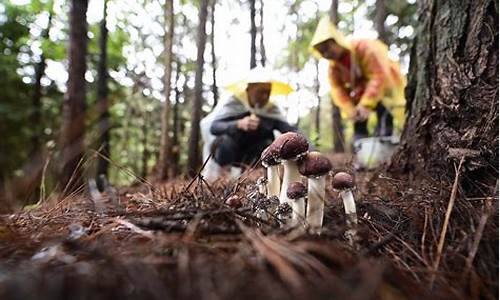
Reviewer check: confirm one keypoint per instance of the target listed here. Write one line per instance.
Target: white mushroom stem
(298, 210)
(315, 203)
(349, 207)
(273, 181)
(290, 174)
(262, 188)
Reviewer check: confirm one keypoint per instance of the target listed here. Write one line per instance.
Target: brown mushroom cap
(314, 164)
(296, 190)
(342, 181)
(290, 145)
(270, 156)
(234, 201)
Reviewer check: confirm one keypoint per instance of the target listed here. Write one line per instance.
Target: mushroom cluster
(300, 204)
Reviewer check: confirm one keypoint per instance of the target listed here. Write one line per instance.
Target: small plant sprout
(290, 147)
(315, 166)
(261, 185)
(344, 183)
(296, 192)
(271, 163)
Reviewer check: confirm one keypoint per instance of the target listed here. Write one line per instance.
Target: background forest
(129, 59)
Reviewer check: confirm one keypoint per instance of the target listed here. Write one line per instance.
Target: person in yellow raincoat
(240, 128)
(362, 78)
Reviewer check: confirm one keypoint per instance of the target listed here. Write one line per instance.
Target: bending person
(362, 78)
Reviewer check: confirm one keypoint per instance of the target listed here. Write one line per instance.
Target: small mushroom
(344, 183)
(234, 201)
(261, 184)
(284, 212)
(290, 147)
(269, 158)
(315, 166)
(296, 192)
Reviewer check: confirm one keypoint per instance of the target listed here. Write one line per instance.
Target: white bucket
(373, 151)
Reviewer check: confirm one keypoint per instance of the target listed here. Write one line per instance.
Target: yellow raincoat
(256, 75)
(371, 78)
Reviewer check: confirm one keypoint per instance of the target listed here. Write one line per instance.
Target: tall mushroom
(344, 183)
(315, 166)
(269, 159)
(290, 147)
(296, 192)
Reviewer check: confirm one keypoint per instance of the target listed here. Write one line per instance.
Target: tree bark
(74, 106)
(215, 90)
(194, 137)
(253, 35)
(380, 16)
(337, 127)
(452, 95)
(103, 104)
(165, 143)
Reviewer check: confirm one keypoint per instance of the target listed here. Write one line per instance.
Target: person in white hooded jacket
(239, 129)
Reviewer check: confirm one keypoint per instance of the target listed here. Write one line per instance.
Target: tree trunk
(317, 114)
(103, 104)
(194, 137)
(144, 142)
(334, 11)
(165, 163)
(261, 29)
(337, 128)
(452, 95)
(36, 115)
(73, 122)
(215, 90)
(176, 125)
(380, 16)
(253, 35)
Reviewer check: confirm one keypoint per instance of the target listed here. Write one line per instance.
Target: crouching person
(244, 126)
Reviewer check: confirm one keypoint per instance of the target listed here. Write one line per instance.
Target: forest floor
(178, 240)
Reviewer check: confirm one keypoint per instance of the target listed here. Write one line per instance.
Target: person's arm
(339, 93)
(373, 63)
(283, 126)
(224, 126)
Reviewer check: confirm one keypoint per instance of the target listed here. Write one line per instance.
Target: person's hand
(360, 113)
(248, 123)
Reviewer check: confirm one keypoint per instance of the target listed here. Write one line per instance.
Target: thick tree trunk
(165, 163)
(261, 31)
(253, 35)
(452, 95)
(36, 114)
(380, 16)
(215, 90)
(103, 104)
(73, 123)
(337, 128)
(194, 137)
